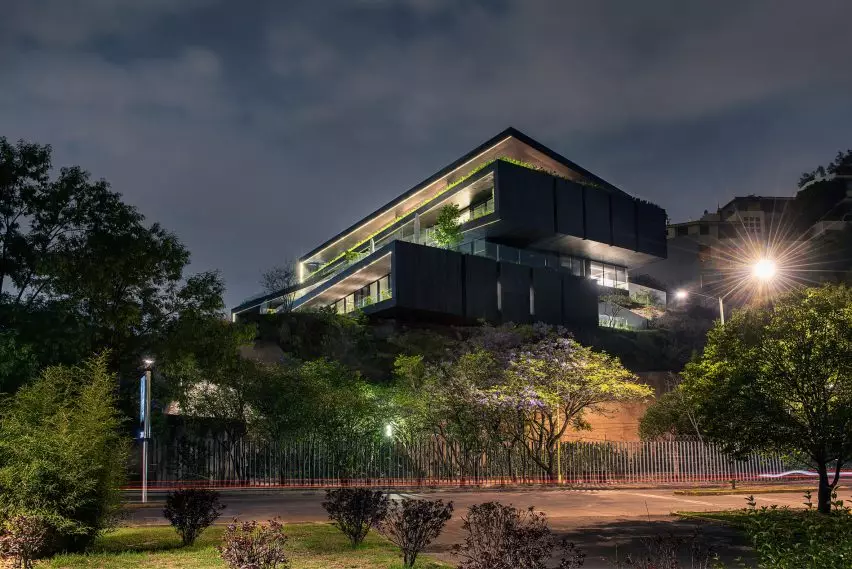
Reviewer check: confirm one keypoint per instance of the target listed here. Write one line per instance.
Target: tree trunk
(825, 489)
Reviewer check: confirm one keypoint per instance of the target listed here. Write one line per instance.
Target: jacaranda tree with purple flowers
(551, 385)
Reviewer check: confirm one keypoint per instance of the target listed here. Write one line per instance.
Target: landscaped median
(785, 538)
(310, 546)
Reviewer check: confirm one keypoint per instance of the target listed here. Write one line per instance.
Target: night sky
(256, 130)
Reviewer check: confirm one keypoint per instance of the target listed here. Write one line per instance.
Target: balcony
(476, 200)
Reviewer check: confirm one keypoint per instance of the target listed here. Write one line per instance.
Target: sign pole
(146, 430)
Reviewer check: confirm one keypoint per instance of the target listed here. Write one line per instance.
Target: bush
(63, 459)
(788, 539)
(24, 538)
(355, 511)
(503, 537)
(663, 551)
(249, 545)
(411, 525)
(192, 511)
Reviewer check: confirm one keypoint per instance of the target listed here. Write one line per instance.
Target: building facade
(543, 238)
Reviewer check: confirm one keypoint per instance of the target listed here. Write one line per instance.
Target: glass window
(620, 277)
(350, 303)
(384, 287)
(531, 258)
(682, 231)
(508, 254)
(578, 267)
(596, 271)
(609, 276)
(704, 229)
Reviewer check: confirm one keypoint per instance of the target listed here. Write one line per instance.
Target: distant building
(809, 234)
(700, 251)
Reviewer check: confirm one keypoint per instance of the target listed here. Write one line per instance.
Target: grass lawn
(312, 546)
(732, 518)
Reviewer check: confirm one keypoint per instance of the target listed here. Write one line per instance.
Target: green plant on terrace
(448, 233)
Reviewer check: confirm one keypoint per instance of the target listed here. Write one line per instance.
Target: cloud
(256, 131)
(60, 23)
(592, 65)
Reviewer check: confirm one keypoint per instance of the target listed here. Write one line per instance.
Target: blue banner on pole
(143, 397)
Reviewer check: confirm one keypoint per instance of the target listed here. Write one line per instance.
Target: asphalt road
(603, 523)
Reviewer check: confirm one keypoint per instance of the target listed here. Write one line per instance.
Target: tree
(448, 232)
(671, 415)
(447, 399)
(280, 278)
(615, 304)
(62, 457)
(778, 378)
(551, 385)
(842, 162)
(81, 271)
(17, 362)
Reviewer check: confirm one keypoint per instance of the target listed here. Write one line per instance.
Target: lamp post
(763, 270)
(145, 412)
(682, 294)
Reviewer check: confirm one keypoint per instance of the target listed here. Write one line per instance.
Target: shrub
(411, 525)
(63, 456)
(503, 537)
(192, 511)
(24, 538)
(787, 539)
(663, 551)
(250, 545)
(355, 511)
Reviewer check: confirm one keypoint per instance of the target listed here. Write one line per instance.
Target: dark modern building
(543, 238)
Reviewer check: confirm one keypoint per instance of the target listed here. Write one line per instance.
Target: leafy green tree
(672, 415)
(446, 399)
(552, 385)
(62, 457)
(448, 231)
(779, 379)
(81, 271)
(17, 362)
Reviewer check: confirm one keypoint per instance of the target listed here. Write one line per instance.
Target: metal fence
(432, 462)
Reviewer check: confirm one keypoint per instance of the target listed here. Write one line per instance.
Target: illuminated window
(751, 224)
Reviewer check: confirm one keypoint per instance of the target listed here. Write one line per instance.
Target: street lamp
(682, 294)
(763, 270)
(145, 419)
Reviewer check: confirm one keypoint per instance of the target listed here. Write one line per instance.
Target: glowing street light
(763, 270)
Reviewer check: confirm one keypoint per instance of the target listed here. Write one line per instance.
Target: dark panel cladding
(652, 229)
(623, 221)
(480, 288)
(547, 300)
(596, 202)
(579, 301)
(427, 278)
(569, 207)
(515, 293)
(525, 198)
